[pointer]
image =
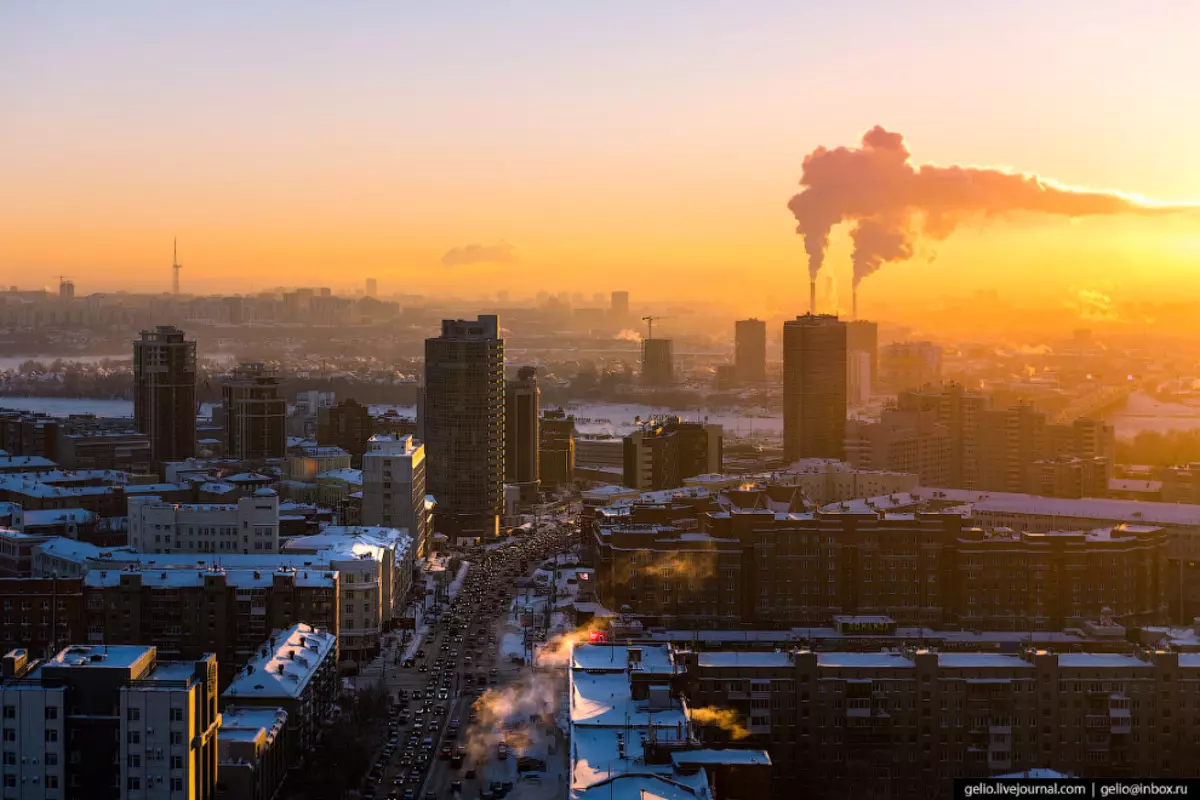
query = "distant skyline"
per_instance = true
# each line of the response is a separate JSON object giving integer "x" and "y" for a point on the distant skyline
{"x": 654, "y": 147}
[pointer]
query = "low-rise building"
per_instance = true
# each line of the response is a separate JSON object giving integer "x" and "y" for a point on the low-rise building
{"x": 295, "y": 670}
{"x": 251, "y": 525}
{"x": 251, "y": 752}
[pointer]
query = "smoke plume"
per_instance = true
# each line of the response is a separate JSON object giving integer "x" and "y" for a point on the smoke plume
{"x": 1094, "y": 306}
{"x": 891, "y": 201}
{"x": 499, "y": 253}
{"x": 721, "y": 718}
{"x": 629, "y": 336}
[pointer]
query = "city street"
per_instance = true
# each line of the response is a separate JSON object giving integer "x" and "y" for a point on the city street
{"x": 438, "y": 746}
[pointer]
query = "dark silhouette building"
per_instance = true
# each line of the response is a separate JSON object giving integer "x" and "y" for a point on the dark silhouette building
{"x": 556, "y": 462}
{"x": 522, "y": 417}
{"x": 255, "y": 413}
{"x": 750, "y": 350}
{"x": 620, "y": 306}
{"x": 664, "y": 451}
{"x": 28, "y": 433}
{"x": 862, "y": 336}
{"x": 347, "y": 425}
{"x": 41, "y": 615}
{"x": 462, "y": 418}
{"x": 814, "y": 387}
{"x": 164, "y": 393}
{"x": 658, "y": 362}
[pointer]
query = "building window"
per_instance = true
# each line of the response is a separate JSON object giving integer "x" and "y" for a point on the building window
{"x": 51, "y": 712}
{"x": 176, "y": 715}
{"x": 176, "y": 738}
{"x": 176, "y": 762}
{"x": 51, "y": 735}
{"x": 10, "y": 712}
{"x": 134, "y": 761}
{"x": 134, "y": 737}
{"x": 51, "y": 781}
{"x": 134, "y": 714}
{"x": 51, "y": 759}
{"x": 10, "y": 781}
{"x": 10, "y": 758}
{"x": 176, "y": 784}
{"x": 10, "y": 735}
{"x": 133, "y": 783}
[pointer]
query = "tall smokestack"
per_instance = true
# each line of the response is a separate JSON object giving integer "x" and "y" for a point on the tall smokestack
{"x": 812, "y": 297}
{"x": 854, "y": 303}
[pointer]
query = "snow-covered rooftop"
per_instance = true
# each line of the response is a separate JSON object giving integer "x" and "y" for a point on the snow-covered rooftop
{"x": 723, "y": 756}
{"x": 285, "y": 669}
{"x": 598, "y": 657}
{"x": 247, "y": 723}
{"x": 240, "y": 578}
{"x": 360, "y": 541}
{"x": 744, "y": 659}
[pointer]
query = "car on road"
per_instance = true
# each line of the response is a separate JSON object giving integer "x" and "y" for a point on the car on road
{"x": 502, "y": 751}
{"x": 410, "y": 794}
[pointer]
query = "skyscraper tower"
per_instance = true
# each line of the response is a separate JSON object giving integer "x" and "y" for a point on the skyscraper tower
{"x": 164, "y": 392}
{"x": 175, "y": 266}
{"x": 619, "y": 306}
{"x": 462, "y": 418}
{"x": 658, "y": 362}
{"x": 750, "y": 350}
{"x": 814, "y": 387}
{"x": 522, "y": 420}
{"x": 255, "y": 413}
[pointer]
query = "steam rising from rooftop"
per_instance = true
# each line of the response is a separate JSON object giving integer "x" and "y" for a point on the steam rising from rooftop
{"x": 892, "y": 202}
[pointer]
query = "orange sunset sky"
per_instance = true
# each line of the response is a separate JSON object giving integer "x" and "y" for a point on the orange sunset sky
{"x": 649, "y": 146}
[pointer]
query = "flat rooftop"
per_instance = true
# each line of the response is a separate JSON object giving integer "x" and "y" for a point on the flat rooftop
{"x": 285, "y": 668}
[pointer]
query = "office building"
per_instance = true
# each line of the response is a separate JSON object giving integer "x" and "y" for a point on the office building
{"x": 522, "y": 417}
{"x": 347, "y": 425}
{"x": 252, "y": 752}
{"x": 905, "y": 724}
{"x": 372, "y": 287}
{"x": 858, "y": 378}
{"x": 110, "y": 722}
{"x": 251, "y": 525}
{"x": 862, "y": 336}
{"x": 226, "y": 611}
{"x": 255, "y": 413}
{"x": 295, "y": 670}
{"x": 619, "y": 307}
{"x": 906, "y": 366}
{"x": 164, "y": 392}
{"x": 814, "y": 387}
{"x": 658, "y": 362}
{"x": 463, "y": 423}
{"x": 556, "y": 459}
{"x": 665, "y": 450}
{"x": 394, "y": 487}
{"x": 750, "y": 350}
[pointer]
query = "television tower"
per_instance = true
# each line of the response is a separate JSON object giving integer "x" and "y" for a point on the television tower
{"x": 175, "y": 266}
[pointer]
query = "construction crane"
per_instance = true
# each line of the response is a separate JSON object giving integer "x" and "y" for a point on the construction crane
{"x": 649, "y": 320}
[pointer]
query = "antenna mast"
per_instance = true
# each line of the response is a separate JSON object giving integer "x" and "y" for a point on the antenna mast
{"x": 175, "y": 266}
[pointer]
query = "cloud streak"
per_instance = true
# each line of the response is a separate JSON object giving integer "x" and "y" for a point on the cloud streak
{"x": 499, "y": 253}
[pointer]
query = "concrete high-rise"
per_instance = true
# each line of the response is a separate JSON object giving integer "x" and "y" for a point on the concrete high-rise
{"x": 255, "y": 413}
{"x": 619, "y": 307}
{"x": 862, "y": 336}
{"x": 658, "y": 362}
{"x": 522, "y": 418}
{"x": 347, "y": 425}
{"x": 556, "y": 461}
{"x": 665, "y": 450}
{"x": 750, "y": 350}
{"x": 164, "y": 392}
{"x": 394, "y": 487}
{"x": 372, "y": 287}
{"x": 462, "y": 417}
{"x": 814, "y": 387}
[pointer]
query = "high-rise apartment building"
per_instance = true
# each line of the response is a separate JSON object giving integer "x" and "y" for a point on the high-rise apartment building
{"x": 907, "y": 366}
{"x": 619, "y": 307}
{"x": 109, "y": 722}
{"x": 664, "y": 451}
{"x": 463, "y": 422}
{"x": 164, "y": 392}
{"x": 658, "y": 362}
{"x": 394, "y": 481}
{"x": 961, "y": 412}
{"x": 750, "y": 350}
{"x": 372, "y": 287}
{"x": 255, "y": 413}
{"x": 556, "y": 461}
{"x": 862, "y": 336}
{"x": 347, "y": 425}
{"x": 814, "y": 387}
{"x": 522, "y": 419}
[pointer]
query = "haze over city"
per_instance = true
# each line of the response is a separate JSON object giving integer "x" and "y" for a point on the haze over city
{"x": 287, "y": 144}
{"x": 627, "y": 401}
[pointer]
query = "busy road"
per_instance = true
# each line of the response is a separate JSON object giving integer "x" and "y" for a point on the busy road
{"x": 436, "y": 747}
